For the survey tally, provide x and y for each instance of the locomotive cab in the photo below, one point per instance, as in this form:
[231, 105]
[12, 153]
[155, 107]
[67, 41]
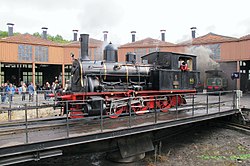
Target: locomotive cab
[185, 64]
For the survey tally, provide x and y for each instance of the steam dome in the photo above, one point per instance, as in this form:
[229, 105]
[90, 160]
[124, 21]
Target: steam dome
[110, 53]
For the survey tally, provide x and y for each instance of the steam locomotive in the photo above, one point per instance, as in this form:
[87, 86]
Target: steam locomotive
[112, 88]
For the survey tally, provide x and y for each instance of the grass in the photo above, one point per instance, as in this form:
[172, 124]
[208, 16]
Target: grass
[233, 157]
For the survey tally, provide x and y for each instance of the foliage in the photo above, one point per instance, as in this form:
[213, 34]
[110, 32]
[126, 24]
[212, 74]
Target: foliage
[57, 38]
[37, 34]
[5, 34]
[233, 157]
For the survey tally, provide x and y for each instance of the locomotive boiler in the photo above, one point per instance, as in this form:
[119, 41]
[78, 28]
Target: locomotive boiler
[112, 88]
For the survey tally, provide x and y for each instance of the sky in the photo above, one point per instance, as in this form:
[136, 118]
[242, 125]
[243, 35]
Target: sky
[120, 17]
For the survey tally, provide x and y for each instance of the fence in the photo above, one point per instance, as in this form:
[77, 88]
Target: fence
[200, 104]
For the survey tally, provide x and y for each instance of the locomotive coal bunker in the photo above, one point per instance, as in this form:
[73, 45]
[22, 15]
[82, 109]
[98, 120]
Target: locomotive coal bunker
[111, 81]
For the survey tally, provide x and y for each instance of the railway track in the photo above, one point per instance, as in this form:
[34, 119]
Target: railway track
[234, 126]
[19, 126]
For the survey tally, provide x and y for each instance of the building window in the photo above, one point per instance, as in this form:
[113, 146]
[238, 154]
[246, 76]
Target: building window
[153, 50]
[27, 77]
[41, 54]
[98, 54]
[24, 52]
[67, 76]
[242, 63]
[2, 76]
[39, 78]
[248, 74]
[215, 49]
[90, 53]
[67, 73]
[79, 53]
[68, 67]
[139, 53]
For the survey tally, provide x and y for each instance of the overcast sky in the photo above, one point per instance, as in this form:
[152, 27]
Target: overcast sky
[120, 17]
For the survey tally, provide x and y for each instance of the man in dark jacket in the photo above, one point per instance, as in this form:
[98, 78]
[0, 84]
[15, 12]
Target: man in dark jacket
[31, 91]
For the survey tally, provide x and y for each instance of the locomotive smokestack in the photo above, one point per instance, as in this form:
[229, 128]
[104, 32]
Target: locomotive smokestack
[163, 35]
[84, 40]
[133, 35]
[44, 32]
[75, 35]
[105, 35]
[193, 32]
[10, 29]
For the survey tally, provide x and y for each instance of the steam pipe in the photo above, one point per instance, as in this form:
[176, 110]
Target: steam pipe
[84, 40]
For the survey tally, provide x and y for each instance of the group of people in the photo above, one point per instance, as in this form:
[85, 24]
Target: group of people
[47, 88]
[7, 91]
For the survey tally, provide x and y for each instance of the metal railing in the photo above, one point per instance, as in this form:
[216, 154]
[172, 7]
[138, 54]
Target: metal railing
[198, 104]
[37, 100]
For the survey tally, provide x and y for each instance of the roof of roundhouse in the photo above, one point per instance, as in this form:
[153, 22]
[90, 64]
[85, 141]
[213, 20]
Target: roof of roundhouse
[148, 42]
[28, 39]
[209, 38]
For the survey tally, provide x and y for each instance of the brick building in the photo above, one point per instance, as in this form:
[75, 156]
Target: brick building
[231, 54]
[33, 59]
[28, 58]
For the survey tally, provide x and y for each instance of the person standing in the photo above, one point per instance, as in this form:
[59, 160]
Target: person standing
[7, 91]
[47, 91]
[31, 91]
[2, 91]
[24, 89]
[5, 94]
[11, 91]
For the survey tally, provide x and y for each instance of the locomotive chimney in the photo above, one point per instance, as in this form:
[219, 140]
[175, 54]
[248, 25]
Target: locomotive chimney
[105, 36]
[75, 35]
[10, 29]
[133, 35]
[193, 32]
[44, 32]
[163, 35]
[84, 40]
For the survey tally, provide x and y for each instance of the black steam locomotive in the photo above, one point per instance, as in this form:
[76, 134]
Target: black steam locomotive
[111, 88]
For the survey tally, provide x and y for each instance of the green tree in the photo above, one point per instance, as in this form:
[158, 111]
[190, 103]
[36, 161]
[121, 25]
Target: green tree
[3, 34]
[57, 38]
[37, 34]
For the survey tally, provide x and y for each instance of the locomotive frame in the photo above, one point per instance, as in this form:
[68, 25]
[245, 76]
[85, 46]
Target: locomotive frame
[112, 88]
